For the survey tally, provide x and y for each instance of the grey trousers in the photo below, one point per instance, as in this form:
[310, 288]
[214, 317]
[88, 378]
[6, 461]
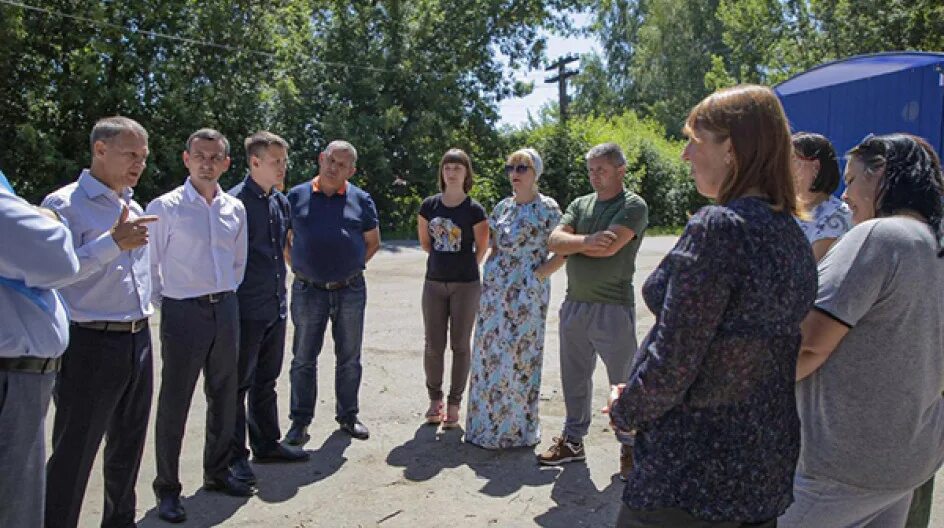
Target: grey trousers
[588, 330]
[24, 400]
[820, 501]
[452, 306]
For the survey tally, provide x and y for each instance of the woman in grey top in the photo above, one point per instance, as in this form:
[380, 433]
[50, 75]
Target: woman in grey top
[870, 368]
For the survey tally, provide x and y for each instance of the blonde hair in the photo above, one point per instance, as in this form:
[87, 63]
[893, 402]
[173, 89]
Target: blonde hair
[531, 158]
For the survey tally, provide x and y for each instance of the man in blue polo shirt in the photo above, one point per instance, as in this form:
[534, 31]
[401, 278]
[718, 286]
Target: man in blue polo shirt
[334, 232]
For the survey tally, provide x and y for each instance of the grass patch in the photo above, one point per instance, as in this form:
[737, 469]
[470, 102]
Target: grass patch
[664, 230]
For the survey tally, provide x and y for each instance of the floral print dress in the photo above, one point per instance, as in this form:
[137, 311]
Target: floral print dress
[509, 333]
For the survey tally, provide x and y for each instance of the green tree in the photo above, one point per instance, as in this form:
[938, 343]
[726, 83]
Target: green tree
[771, 40]
[403, 81]
[655, 169]
[657, 54]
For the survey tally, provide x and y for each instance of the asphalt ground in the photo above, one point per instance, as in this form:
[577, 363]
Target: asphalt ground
[407, 474]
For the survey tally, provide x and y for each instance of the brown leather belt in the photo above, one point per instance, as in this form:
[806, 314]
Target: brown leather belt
[332, 285]
[114, 326]
[32, 365]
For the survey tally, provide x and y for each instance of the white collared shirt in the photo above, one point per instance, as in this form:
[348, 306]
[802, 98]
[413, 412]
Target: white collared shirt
[112, 285]
[196, 248]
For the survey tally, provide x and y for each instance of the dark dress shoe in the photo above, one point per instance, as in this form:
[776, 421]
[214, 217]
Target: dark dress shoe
[355, 428]
[169, 509]
[282, 454]
[229, 485]
[241, 470]
[297, 435]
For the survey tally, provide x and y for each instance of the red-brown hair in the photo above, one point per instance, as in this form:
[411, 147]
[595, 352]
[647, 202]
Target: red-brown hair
[752, 117]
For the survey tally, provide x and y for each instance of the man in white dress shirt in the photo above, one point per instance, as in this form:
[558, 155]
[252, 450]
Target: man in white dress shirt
[198, 258]
[105, 387]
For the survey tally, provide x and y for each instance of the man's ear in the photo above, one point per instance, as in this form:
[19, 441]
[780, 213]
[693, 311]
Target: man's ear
[98, 149]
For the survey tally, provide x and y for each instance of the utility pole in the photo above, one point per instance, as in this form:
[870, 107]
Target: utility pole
[561, 79]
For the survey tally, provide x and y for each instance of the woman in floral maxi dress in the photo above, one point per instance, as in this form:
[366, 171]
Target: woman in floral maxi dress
[509, 336]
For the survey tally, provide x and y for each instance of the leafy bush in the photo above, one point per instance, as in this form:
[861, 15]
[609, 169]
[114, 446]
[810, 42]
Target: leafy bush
[654, 168]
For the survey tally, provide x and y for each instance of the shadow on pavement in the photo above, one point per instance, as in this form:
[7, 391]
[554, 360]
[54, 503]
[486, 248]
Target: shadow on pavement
[277, 483]
[429, 451]
[204, 508]
[508, 470]
[577, 500]
[281, 482]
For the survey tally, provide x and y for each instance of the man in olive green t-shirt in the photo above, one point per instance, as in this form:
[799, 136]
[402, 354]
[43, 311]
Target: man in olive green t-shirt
[600, 235]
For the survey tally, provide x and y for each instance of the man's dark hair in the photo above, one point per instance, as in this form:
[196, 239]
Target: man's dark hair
[211, 135]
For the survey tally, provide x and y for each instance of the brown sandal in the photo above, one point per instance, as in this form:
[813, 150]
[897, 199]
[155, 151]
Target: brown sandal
[434, 415]
[452, 417]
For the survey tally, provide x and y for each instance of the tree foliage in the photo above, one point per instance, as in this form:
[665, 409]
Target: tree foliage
[654, 168]
[402, 80]
[662, 56]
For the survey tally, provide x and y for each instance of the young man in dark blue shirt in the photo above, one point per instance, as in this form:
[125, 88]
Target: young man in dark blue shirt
[262, 307]
[334, 233]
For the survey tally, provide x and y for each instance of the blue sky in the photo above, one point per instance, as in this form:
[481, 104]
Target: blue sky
[515, 111]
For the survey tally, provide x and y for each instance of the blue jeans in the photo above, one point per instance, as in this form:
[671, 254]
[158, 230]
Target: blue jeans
[311, 309]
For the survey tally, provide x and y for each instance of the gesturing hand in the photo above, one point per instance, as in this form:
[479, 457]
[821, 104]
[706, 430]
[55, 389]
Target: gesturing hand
[131, 234]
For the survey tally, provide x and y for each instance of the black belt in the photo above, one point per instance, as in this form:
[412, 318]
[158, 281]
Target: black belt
[114, 326]
[32, 365]
[212, 298]
[332, 285]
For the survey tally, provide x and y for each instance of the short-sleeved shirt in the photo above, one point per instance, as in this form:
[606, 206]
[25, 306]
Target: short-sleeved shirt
[452, 239]
[831, 218]
[872, 415]
[328, 231]
[262, 292]
[610, 279]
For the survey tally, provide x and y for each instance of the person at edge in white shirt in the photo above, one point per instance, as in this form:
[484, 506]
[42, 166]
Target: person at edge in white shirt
[37, 256]
[198, 258]
[105, 387]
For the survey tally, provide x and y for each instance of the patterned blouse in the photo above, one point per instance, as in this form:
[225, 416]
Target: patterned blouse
[711, 393]
[830, 219]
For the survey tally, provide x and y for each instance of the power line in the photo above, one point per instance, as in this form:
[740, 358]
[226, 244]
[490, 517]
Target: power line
[206, 43]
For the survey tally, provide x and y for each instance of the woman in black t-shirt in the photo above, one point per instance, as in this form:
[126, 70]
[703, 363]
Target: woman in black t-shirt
[453, 229]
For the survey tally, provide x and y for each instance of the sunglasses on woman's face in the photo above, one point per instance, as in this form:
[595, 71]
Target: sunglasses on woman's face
[520, 169]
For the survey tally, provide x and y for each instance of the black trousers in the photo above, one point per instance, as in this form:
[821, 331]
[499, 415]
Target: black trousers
[261, 350]
[196, 335]
[676, 518]
[103, 390]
